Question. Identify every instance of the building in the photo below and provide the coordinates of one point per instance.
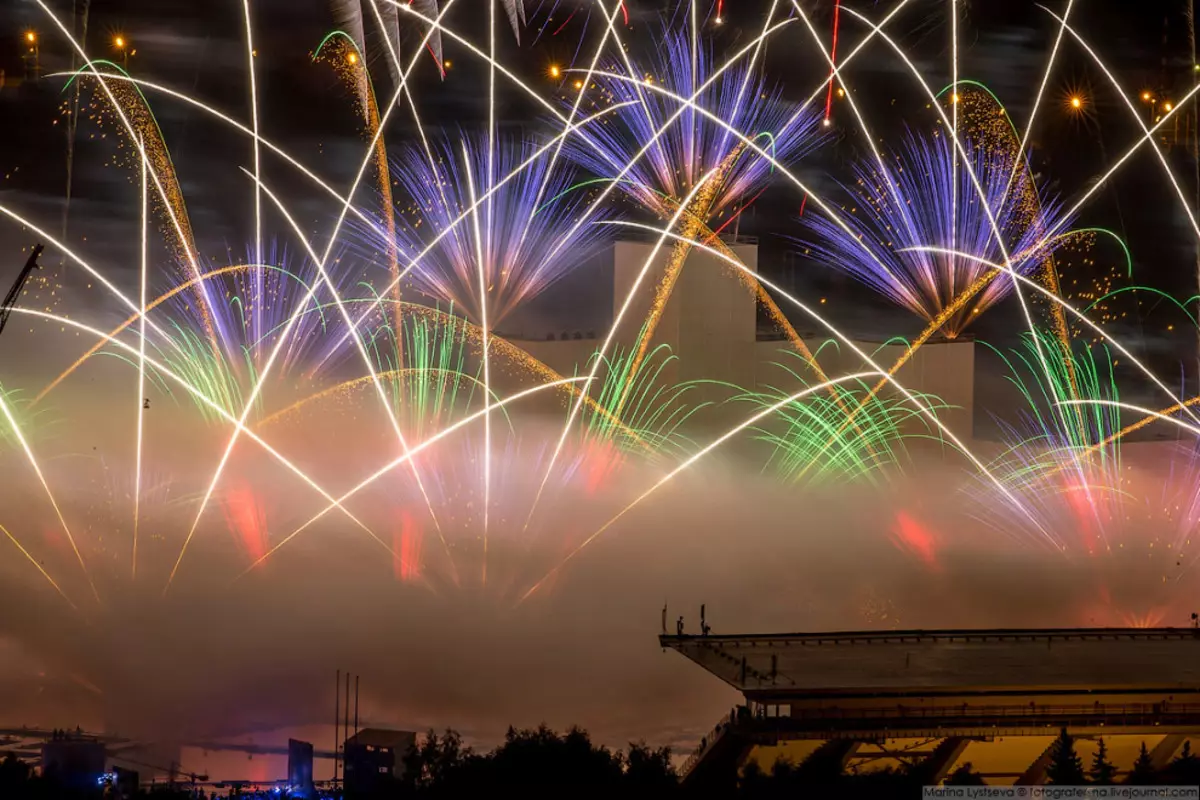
(374, 756)
(710, 323)
(75, 761)
(871, 695)
(300, 768)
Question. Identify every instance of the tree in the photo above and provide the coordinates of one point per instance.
(965, 775)
(649, 770)
(1066, 767)
(1184, 769)
(1102, 772)
(1142, 773)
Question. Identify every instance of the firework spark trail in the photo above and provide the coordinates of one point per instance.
(706, 203)
(138, 315)
(313, 177)
(258, 256)
(203, 398)
(320, 262)
(1108, 337)
(926, 411)
(692, 460)
(287, 330)
(354, 71)
(954, 122)
(837, 9)
(730, 62)
(452, 227)
(1037, 100)
(16, 429)
(416, 450)
(483, 293)
(612, 332)
(922, 179)
(1096, 186)
(141, 395)
(1183, 202)
(38, 567)
(171, 195)
(637, 157)
(982, 196)
(501, 348)
(609, 29)
(520, 233)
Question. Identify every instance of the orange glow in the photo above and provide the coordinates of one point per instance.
(352, 58)
(246, 518)
(30, 37)
(578, 84)
(1167, 106)
(406, 549)
(555, 71)
(911, 535)
(119, 42)
(1147, 96)
(1076, 102)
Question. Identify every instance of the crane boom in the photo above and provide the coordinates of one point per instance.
(10, 300)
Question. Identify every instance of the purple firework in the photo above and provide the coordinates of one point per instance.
(525, 232)
(694, 143)
(919, 199)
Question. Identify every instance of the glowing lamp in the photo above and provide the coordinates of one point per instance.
(352, 58)
(1076, 102)
(119, 42)
(31, 37)
(555, 71)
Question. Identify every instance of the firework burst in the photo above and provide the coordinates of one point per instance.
(919, 199)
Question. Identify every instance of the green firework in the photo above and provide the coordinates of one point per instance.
(811, 440)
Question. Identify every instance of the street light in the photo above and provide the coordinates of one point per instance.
(119, 43)
(31, 37)
(555, 71)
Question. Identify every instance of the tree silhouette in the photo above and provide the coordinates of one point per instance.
(1066, 767)
(1142, 773)
(1102, 772)
(1184, 769)
(965, 775)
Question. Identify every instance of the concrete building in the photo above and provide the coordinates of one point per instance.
(75, 761)
(953, 692)
(374, 756)
(710, 323)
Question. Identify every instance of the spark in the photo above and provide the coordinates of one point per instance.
(483, 323)
(408, 456)
(20, 437)
(141, 394)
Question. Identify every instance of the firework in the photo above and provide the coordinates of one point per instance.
(522, 244)
(694, 145)
(918, 199)
(809, 437)
(1129, 524)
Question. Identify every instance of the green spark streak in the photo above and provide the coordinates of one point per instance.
(810, 439)
(651, 409)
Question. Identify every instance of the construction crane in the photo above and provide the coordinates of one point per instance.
(10, 300)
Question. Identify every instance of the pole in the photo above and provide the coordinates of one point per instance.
(337, 694)
(346, 720)
(356, 677)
